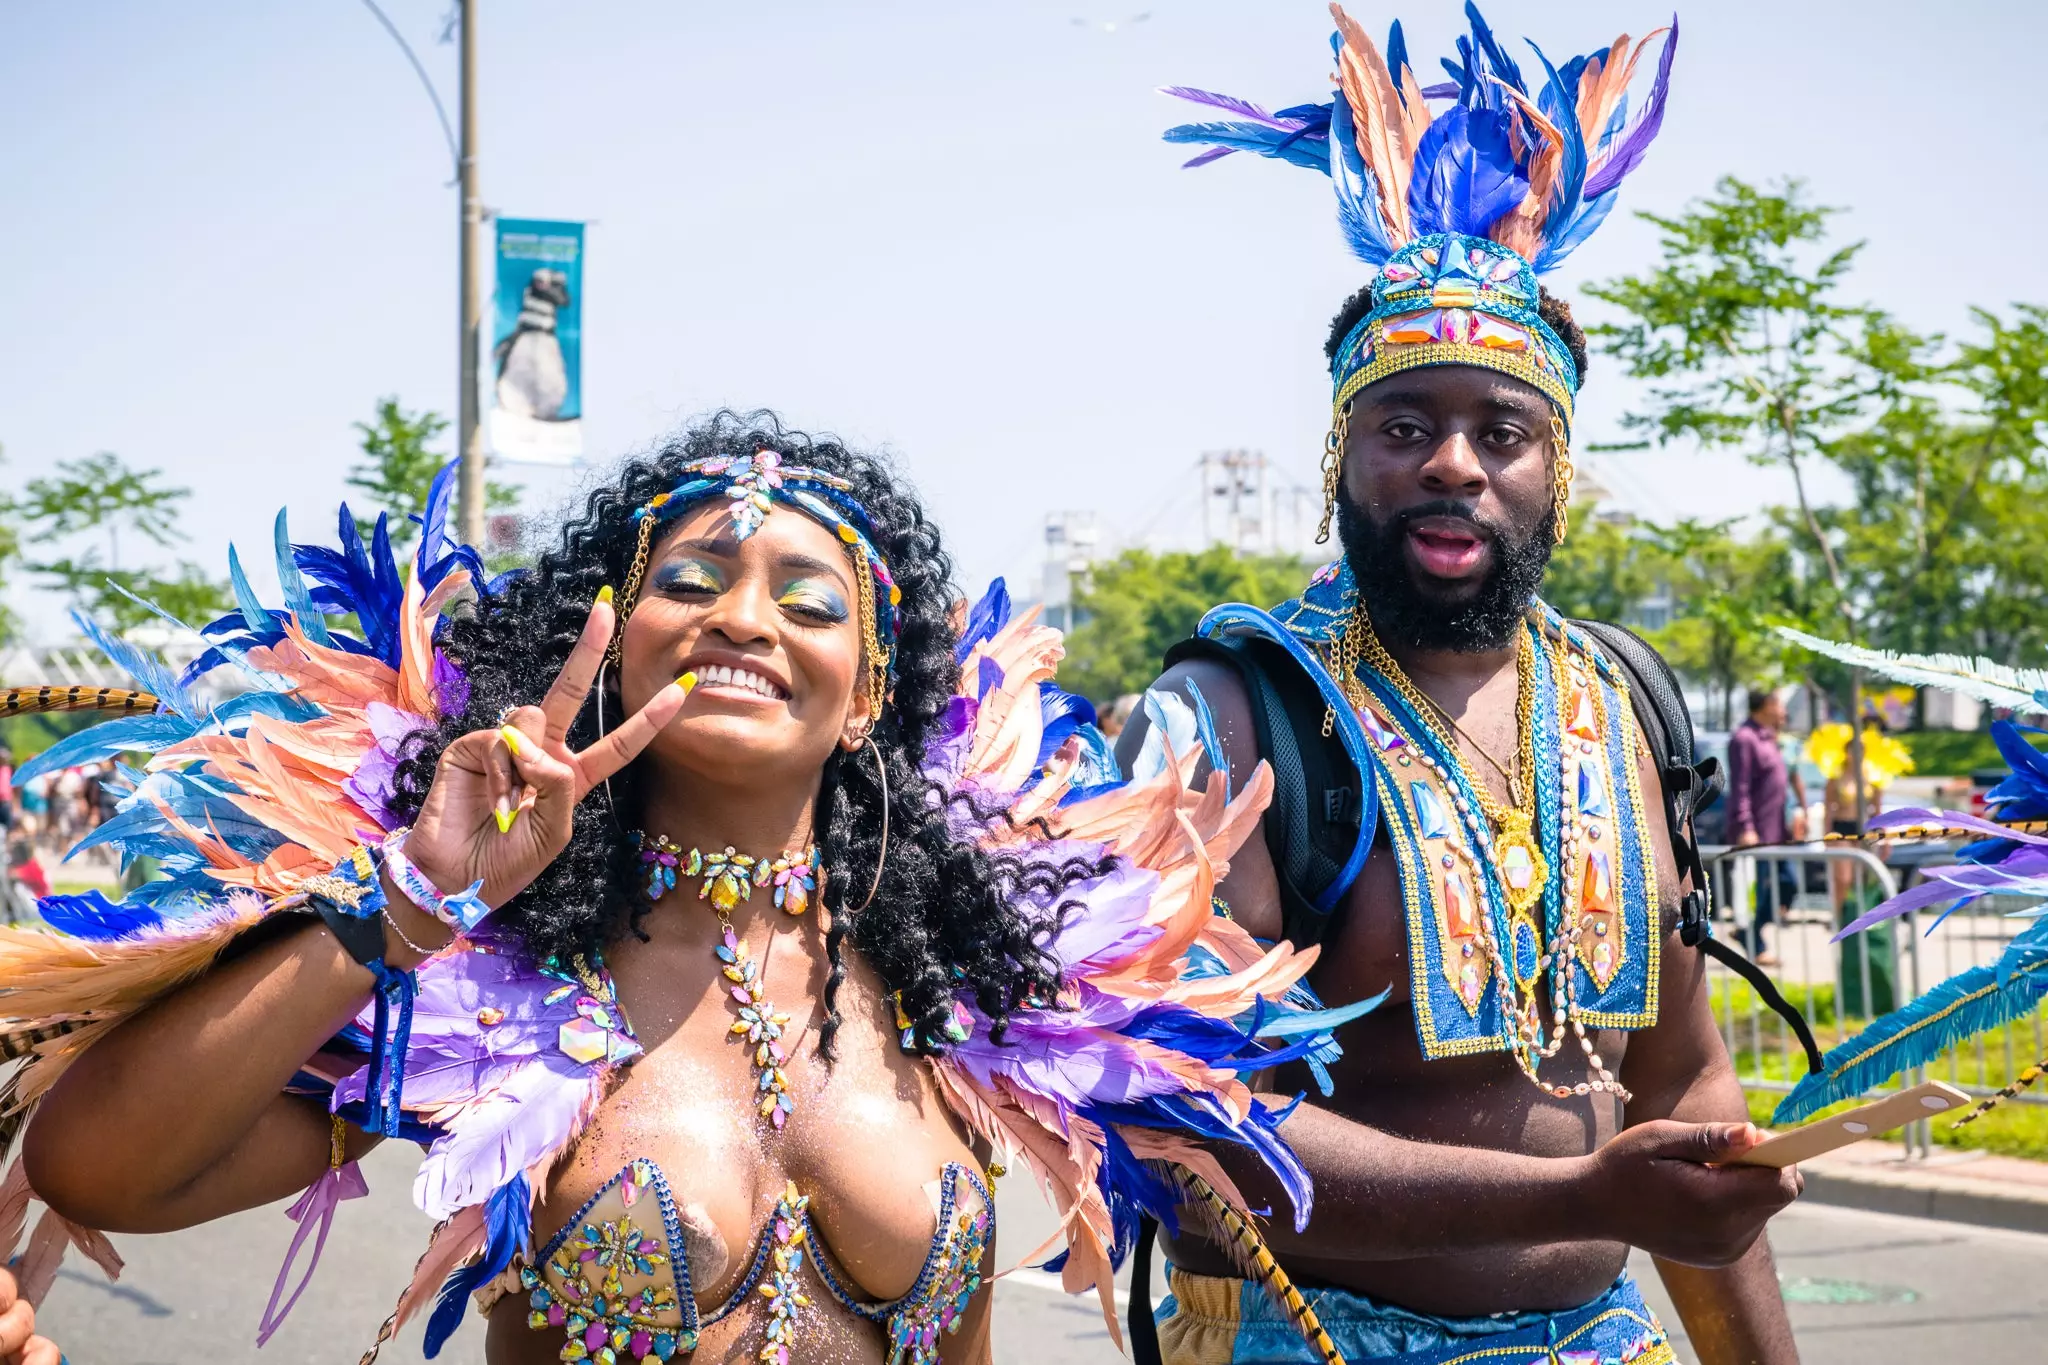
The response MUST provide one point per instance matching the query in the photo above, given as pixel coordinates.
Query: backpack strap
(1690, 785)
(1312, 823)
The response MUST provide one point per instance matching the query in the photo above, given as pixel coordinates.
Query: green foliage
(1746, 341)
(1139, 604)
(397, 471)
(102, 494)
(1602, 572)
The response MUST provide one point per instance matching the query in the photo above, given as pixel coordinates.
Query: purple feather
(1244, 109)
(1213, 154)
(1633, 147)
(517, 1095)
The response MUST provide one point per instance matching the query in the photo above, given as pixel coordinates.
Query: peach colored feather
(1156, 1144)
(1381, 122)
(1601, 87)
(14, 1196)
(1521, 231)
(454, 1243)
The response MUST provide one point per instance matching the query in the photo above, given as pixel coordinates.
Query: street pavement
(1864, 1288)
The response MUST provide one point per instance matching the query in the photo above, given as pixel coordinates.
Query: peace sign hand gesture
(500, 805)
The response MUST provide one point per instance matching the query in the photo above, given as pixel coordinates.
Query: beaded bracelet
(461, 912)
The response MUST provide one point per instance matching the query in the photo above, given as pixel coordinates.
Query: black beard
(1407, 613)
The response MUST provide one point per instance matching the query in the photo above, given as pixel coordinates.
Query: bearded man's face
(1447, 507)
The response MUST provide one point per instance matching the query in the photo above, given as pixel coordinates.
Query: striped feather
(30, 701)
(1249, 1249)
(2019, 689)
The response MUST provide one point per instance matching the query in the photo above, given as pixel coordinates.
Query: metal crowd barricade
(1841, 987)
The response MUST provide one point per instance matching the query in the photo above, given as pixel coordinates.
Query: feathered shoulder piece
(1105, 1093)
(1459, 207)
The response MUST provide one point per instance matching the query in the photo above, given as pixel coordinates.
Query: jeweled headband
(1460, 209)
(753, 485)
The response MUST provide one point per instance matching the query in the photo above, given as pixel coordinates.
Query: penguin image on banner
(536, 353)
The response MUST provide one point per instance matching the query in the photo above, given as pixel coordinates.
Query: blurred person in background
(1118, 715)
(1759, 781)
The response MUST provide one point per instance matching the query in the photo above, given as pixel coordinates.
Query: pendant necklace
(730, 877)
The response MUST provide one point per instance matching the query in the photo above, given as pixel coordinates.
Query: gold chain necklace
(1523, 868)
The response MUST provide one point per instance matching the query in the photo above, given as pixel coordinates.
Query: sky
(947, 231)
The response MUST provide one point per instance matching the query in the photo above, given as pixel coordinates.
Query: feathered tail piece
(30, 701)
(1250, 1250)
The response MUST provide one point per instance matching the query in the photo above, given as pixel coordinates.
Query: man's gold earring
(1561, 479)
(1333, 468)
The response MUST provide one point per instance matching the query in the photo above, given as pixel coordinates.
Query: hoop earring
(1561, 480)
(1333, 468)
(881, 859)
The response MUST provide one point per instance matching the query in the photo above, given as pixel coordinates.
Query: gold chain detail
(1333, 474)
(630, 594)
(1520, 790)
(1562, 470)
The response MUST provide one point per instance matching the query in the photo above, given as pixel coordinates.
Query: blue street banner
(537, 343)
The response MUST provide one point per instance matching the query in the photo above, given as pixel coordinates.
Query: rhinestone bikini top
(615, 1280)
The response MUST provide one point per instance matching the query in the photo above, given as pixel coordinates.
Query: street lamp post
(469, 427)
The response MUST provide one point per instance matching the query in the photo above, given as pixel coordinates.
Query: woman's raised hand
(500, 805)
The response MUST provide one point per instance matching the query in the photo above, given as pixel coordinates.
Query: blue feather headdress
(1459, 210)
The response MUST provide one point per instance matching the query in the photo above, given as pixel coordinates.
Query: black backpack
(1312, 825)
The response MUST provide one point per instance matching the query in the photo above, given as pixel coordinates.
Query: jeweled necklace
(1516, 853)
(729, 878)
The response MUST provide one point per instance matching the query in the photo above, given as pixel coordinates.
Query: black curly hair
(1552, 309)
(946, 913)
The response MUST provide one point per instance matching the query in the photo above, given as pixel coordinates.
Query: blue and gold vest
(1601, 873)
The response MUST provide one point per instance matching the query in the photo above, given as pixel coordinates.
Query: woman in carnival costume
(719, 916)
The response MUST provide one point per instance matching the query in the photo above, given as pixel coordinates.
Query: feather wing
(2019, 689)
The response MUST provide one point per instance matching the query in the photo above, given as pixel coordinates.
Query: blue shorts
(1207, 1320)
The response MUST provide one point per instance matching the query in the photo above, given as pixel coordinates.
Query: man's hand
(1657, 1186)
(1747, 839)
(19, 1344)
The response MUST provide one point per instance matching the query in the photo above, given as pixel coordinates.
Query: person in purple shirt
(1758, 779)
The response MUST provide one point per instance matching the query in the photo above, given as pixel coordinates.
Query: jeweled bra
(1600, 895)
(619, 1288)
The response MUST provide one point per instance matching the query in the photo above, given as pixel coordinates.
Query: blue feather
(1466, 178)
(1397, 57)
(1062, 714)
(1205, 730)
(1295, 145)
(508, 1221)
(107, 738)
(93, 916)
(1494, 61)
(1961, 1007)
(252, 611)
(440, 554)
(150, 673)
(296, 600)
(1561, 240)
(987, 616)
(1358, 210)
(1559, 105)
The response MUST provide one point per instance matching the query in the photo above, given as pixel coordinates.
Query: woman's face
(771, 627)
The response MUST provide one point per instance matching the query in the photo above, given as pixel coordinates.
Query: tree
(397, 470)
(1139, 604)
(103, 494)
(1745, 342)
(1603, 571)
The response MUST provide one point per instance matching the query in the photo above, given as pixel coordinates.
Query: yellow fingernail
(504, 815)
(511, 738)
(604, 594)
(687, 682)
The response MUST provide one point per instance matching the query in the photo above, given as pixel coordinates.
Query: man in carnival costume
(1500, 872)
